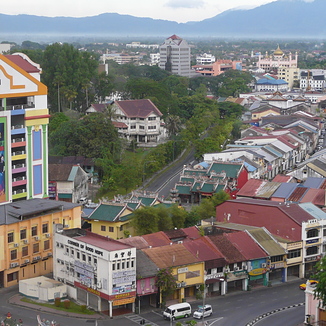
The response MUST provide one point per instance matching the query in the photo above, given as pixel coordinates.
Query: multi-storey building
(24, 121)
(277, 59)
(26, 236)
(175, 56)
(98, 270)
(205, 59)
(217, 68)
(289, 74)
(313, 80)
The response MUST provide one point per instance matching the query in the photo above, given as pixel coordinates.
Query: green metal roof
(147, 201)
(231, 170)
(183, 189)
(219, 188)
(105, 212)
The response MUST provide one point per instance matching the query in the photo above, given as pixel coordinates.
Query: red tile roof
(192, 232)
(22, 63)
(59, 172)
(228, 250)
(137, 242)
(157, 239)
(171, 255)
(119, 124)
(138, 108)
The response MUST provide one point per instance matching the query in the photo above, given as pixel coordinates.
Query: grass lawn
(74, 307)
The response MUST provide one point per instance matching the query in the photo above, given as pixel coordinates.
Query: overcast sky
(175, 10)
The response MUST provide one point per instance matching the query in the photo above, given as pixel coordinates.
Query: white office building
(99, 272)
(175, 56)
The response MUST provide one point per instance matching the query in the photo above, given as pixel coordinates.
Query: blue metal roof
(285, 190)
(264, 81)
(313, 210)
(249, 167)
(313, 182)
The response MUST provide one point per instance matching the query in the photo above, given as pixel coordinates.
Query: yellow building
(112, 220)
(26, 229)
(187, 269)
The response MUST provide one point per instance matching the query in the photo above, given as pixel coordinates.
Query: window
(142, 127)
(46, 244)
(132, 126)
(95, 261)
(118, 265)
(294, 253)
(121, 227)
(10, 237)
(23, 234)
(34, 231)
(83, 257)
(151, 118)
(113, 267)
(111, 229)
(312, 250)
(45, 228)
(36, 248)
(13, 254)
(103, 228)
(312, 233)
(324, 232)
(25, 251)
(277, 258)
(12, 276)
(89, 259)
(78, 255)
(123, 265)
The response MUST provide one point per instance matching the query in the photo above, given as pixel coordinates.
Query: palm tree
(173, 125)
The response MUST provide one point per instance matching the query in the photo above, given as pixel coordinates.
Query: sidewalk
(16, 300)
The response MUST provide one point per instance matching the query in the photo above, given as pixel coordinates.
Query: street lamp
(144, 169)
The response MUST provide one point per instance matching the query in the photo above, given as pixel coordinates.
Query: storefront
(237, 280)
(258, 276)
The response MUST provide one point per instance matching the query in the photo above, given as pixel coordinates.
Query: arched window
(312, 233)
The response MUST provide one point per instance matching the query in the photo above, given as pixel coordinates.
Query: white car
(205, 311)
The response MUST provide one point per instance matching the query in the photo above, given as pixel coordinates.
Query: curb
(259, 318)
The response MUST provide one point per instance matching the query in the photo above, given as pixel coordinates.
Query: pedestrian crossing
(140, 320)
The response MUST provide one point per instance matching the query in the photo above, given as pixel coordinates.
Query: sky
(180, 11)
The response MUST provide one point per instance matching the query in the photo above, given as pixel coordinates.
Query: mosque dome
(278, 51)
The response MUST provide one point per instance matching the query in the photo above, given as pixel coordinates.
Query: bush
(66, 304)
(83, 307)
(57, 302)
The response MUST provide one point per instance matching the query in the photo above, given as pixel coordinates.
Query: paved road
(234, 309)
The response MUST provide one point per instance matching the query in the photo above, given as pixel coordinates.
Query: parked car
(205, 311)
(304, 285)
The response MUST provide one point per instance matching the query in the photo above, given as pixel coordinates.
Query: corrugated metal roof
(145, 267)
(108, 212)
(297, 194)
(268, 189)
(272, 247)
(315, 196)
(284, 190)
(251, 187)
(137, 241)
(313, 210)
(246, 245)
(282, 178)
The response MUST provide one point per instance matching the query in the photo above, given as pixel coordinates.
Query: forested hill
(279, 19)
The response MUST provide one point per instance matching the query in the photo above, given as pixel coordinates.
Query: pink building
(217, 68)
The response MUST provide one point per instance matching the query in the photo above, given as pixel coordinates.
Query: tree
(166, 282)
(320, 287)
(178, 216)
(173, 125)
(145, 220)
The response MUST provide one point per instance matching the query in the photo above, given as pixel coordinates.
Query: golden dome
(278, 51)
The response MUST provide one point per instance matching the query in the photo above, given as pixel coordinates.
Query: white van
(178, 310)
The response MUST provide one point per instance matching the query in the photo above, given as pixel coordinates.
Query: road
(234, 309)
(165, 181)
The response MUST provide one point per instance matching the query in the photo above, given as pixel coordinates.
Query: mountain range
(296, 19)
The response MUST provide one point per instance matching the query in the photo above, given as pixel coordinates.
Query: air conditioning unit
(227, 270)
(47, 235)
(66, 225)
(49, 254)
(36, 238)
(99, 284)
(26, 261)
(245, 267)
(263, 265)
(94, 287)
(12, 265)
(25, 241)
(236, 268)
(15, 245)
(179, 285)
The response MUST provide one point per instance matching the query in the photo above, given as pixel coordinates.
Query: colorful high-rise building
(24, 119)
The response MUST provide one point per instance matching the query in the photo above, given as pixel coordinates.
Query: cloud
(185, 4)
